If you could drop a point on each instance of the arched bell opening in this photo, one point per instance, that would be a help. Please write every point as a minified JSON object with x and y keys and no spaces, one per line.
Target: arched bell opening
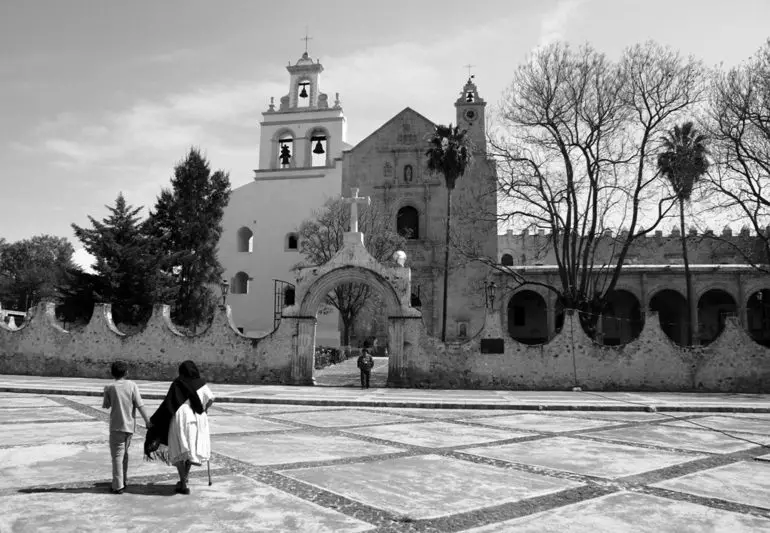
{"x":713,"y":309}
{"x":758,"y":316}
{"x":671,"y":308}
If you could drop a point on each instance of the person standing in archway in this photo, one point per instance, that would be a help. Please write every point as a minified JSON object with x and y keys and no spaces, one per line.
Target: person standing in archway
{"x":365,"y":364}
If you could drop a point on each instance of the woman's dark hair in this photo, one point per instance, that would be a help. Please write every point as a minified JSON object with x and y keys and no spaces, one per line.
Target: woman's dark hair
{"x":367,"y":343}
{"x":188,"y":370}
{"x":119,"y":369}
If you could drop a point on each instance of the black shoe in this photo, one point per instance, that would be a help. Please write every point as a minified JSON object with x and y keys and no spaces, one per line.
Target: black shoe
{"x":119,"y":491}
{"x":182,"y":490}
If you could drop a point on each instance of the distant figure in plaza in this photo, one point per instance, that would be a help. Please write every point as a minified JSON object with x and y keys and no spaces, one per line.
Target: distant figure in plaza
{"x":180,"y":427}
{"x":365,"y":364}
{"x":123,"y":399}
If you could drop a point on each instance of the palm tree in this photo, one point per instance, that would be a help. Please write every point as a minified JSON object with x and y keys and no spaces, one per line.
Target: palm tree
{"x":450,"y":154}
{"x":683,"y":162}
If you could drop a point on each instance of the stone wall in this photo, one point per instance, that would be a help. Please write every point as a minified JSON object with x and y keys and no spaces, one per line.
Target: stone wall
{"x":43,"y":348}
{"x":732,"y":363}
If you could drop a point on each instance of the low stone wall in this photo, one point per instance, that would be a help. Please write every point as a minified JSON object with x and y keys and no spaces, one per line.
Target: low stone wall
{"x":43,"y":348}
{"x":652,"y":362}
{"x":732,"y":363}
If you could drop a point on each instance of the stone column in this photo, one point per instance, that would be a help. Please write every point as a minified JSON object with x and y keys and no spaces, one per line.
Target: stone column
{"x":303,"y":351}
{"x":396,"y":356}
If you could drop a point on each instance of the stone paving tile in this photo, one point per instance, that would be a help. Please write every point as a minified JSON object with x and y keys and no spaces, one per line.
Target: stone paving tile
{"x":726,"y":423}
{"x":747,"y":483}
{"x":26,"y":466}
{"x":342,"y":418}
{"x":623,"y":416}
{"x":258,"y":409}
{"x":437,"y":434}
{"x":234,"y":503}
{"x":540,"y":422}
{"x":41,"y":433}
{"x":220,"y":424}
{"x":23,"y":400}
{"x":38,"y":414}
{"x":429,"y":486}
{"x":681,"y":438}
{"x":442,"y":413}
{"x":299,"y":446}
{"x":627,"y":511}
{"x":591,"y":458}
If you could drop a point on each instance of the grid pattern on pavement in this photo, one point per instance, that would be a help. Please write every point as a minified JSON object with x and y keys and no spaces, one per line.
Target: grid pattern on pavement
{"x":337,"y":468}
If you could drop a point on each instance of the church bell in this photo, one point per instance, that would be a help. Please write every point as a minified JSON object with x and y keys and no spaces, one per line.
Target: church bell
{"x":303,"y":92}
{"x":319,"y":149}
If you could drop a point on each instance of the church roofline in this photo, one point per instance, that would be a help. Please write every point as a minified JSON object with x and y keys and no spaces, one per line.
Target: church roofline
{"x":394,"y":117}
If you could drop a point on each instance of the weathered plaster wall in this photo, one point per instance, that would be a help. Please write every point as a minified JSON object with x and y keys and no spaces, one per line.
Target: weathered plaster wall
{"x":732,"y":363}
{"x":43,"y":348}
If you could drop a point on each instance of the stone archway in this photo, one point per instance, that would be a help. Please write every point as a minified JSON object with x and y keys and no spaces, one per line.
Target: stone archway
{"x":352,"y":264}
{"x":671,"y":307}
{"x":714,"y":306}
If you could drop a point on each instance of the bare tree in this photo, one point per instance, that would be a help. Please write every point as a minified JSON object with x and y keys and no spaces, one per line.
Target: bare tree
{"x":576,"y":145}
{"x":321,"y":237}
{"x":739,"y":128}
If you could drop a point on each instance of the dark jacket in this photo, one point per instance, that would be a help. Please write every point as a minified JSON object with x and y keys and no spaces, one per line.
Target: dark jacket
{"x":365,"y":362}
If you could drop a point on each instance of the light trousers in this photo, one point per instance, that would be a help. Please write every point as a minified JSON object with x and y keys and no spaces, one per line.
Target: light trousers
{"x":119,"y":444}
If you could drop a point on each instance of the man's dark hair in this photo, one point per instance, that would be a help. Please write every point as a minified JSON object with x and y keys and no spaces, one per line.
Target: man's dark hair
{"x":119,"y":369}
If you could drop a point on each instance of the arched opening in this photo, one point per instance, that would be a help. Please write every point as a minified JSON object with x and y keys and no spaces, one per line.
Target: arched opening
{"x":506,"y":260}
{"x":528,"y":317}
{"x":318,"y":148}
{"x":622,"y":319}
{"x":304,"y":89}
{"x":373,"y":322}
{"x":291,"y":244}
{"x":758,"y":316}
{"x":245,"y":240}
{"x":285,"y":151}
{"x":408,"y":222}
{"x":672,"y":313}
{"x":240,"y":283}
{"x":713,"y":309}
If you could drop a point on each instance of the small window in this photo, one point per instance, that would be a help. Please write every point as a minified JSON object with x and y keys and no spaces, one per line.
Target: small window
{"x":240,"y":283}
{"x":408,"y":173}
{"x":507,"y":260}
{"x":292,"y":242}
{"x":245,"y":240}
{"x":462,"y":330}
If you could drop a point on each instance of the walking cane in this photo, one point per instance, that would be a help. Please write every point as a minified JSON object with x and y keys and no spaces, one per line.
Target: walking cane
{"x":208,"y":463}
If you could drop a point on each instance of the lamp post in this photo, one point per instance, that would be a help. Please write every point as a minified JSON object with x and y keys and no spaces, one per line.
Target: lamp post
{"x":225,"y":286}
{"x":490,"y":287}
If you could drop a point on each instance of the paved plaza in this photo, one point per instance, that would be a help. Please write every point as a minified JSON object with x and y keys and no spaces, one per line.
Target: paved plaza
{"x":339,"y":459}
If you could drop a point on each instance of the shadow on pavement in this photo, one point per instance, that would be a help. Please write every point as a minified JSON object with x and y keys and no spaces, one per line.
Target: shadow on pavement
{"x":150,"y":489}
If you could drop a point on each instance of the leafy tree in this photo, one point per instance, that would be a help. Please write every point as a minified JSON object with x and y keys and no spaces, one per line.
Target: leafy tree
{"x":125,"y":267}
{"x":450,"y":154}
{"x":321,"y":237}
{"x":32,"y":269}
{"x":738,"y":127}
{"x":185,"y":226}
{"x":683,"y":162}
{"x":575,"y":148}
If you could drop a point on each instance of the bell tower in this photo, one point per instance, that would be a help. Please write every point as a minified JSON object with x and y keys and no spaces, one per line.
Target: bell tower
{"x":470,"y":114}
{"x":305,"y":131}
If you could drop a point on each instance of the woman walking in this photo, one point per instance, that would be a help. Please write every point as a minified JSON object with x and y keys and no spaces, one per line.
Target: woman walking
{"x":180,"y":427}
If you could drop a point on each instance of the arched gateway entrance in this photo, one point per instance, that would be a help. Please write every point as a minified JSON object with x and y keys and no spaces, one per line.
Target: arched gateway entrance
{"x":353,"y":264}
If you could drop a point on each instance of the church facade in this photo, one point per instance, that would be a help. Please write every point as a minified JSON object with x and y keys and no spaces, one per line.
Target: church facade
{"x":304,"y":160}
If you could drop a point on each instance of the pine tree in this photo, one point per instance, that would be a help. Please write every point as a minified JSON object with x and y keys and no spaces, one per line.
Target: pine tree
{"x":125,"y":265}
{"x":186,"y":225}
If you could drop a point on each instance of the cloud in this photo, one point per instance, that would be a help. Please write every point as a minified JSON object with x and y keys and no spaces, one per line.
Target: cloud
{"x":554,"y":23}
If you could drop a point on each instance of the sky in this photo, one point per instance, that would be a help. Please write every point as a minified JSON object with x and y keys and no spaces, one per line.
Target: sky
{"x":103,"y":97}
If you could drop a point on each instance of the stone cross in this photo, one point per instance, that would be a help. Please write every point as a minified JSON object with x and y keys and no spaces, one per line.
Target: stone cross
{"x":354,"y":201}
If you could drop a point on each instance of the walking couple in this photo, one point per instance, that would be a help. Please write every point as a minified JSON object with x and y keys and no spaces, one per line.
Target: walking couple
{"x":178,"y":432}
